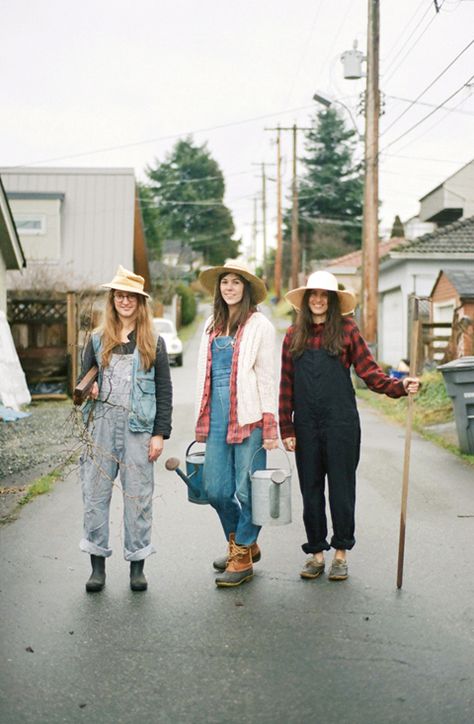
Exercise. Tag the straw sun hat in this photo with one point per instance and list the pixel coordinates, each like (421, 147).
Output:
(209, 277)
(323, 280)
(126, 281)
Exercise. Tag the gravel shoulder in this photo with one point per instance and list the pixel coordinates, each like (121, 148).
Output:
(34, 446)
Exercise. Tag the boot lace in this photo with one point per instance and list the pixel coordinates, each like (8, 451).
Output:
(236, 551)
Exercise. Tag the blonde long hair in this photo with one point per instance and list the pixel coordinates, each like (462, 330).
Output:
(111, 329)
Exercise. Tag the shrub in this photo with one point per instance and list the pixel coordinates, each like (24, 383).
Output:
(188, 304)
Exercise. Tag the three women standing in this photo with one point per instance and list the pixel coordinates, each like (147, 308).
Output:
(318, 414)
(128, 416)
(236, 409)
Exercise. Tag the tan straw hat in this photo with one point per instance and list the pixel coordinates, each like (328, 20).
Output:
(126, 281)
(323, 280)
(209, 277)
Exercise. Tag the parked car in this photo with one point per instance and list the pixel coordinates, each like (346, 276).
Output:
(166, 329)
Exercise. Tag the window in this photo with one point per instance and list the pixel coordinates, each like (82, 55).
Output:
(31, 224)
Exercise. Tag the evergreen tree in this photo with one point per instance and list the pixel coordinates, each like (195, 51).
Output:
(331, 189)
(397, 229)
(151, 223)
(188, 190)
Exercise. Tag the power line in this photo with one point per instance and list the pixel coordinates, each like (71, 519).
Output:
(430, 105)
(400, 35)
(440, 75)
(401, 61)
(428, 115)
(164, 138)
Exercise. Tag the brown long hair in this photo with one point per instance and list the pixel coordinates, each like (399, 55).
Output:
(332, 339)
(111, 329)
(220, 318)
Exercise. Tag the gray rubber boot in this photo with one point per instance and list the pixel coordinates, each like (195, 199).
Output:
(96, 580)
(138, 581)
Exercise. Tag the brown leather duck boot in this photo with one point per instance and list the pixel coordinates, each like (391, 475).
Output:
(239, 566)
(96, 580)
(220, 564)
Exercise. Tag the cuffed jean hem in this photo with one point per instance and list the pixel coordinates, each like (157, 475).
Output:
(88, 547)
(318, 548)
(139, 555)
(342, 544)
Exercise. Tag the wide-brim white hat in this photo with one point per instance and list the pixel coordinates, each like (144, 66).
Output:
(209, 277)
(126, 281)
(323, 280)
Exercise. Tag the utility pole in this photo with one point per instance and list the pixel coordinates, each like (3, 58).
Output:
(254, 229)
(295, 250)
(295, 241)
(370, 235)
(264, 220)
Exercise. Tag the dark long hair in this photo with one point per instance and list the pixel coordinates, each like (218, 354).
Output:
(221, 310)
(332, 339)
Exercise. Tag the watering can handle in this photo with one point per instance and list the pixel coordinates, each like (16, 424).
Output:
(190, 446)
(278, 448)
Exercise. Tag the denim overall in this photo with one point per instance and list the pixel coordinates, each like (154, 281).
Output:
(114, 447)
(327, 432)
(227, 466)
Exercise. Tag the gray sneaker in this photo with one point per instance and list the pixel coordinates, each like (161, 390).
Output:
(339, 570)
(312, 569)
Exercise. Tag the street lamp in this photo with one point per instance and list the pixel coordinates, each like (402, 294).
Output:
(327, 103)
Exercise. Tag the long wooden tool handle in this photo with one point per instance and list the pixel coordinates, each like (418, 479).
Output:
(415, 335)
(83, 387)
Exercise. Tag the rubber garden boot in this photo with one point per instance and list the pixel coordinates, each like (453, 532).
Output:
(138, 581)
(96, 581)
(220, 564)
(239, 567)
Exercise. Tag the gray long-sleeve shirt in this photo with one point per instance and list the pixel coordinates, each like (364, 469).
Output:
(163, 387)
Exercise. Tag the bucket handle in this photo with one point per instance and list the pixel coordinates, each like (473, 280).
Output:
(277, 479)
(190, 446)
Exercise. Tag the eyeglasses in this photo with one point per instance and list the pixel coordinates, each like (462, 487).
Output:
(121, 297)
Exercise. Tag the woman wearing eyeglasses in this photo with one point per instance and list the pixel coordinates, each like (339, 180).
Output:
(128, 416)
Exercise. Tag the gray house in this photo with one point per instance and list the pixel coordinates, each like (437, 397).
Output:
(76, 225)
(413, 269)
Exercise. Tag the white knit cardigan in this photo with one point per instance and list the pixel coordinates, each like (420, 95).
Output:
(256, 381)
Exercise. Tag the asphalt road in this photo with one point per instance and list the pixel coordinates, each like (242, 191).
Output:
(278, 649)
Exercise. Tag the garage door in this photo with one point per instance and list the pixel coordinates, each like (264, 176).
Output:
(392, 328)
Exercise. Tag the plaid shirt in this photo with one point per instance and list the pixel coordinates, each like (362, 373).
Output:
(235, 432)
(355, 352)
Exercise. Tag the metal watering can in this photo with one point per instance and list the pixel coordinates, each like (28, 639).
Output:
(271, 494)
(194, 476)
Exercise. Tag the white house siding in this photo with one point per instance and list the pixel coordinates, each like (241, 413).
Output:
(97, 218)
(411, 276)
(392, 326)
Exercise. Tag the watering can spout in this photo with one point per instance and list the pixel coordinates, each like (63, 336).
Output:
(193, 477)
(173, 464)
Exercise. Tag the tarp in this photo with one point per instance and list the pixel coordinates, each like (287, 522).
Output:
(13, 388)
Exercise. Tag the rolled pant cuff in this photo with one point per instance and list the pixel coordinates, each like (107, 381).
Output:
(139, 555)
(318, 548)
(342, 544)
(88, 547)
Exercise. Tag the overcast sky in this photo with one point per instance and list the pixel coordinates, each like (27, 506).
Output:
(115, 83)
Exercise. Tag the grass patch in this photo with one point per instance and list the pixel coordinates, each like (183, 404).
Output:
(41, 486)
(432, 407)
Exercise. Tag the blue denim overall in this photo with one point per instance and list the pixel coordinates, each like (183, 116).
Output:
(114, 447)
(327, 432)
(227, 466)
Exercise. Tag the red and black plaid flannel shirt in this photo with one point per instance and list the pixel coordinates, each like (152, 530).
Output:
(235, 433)
(355, 352)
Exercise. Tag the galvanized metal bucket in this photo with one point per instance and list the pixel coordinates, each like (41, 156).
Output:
(271, 494)
(195, 475)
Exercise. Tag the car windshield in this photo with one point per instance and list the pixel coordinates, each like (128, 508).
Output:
(163, 325)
